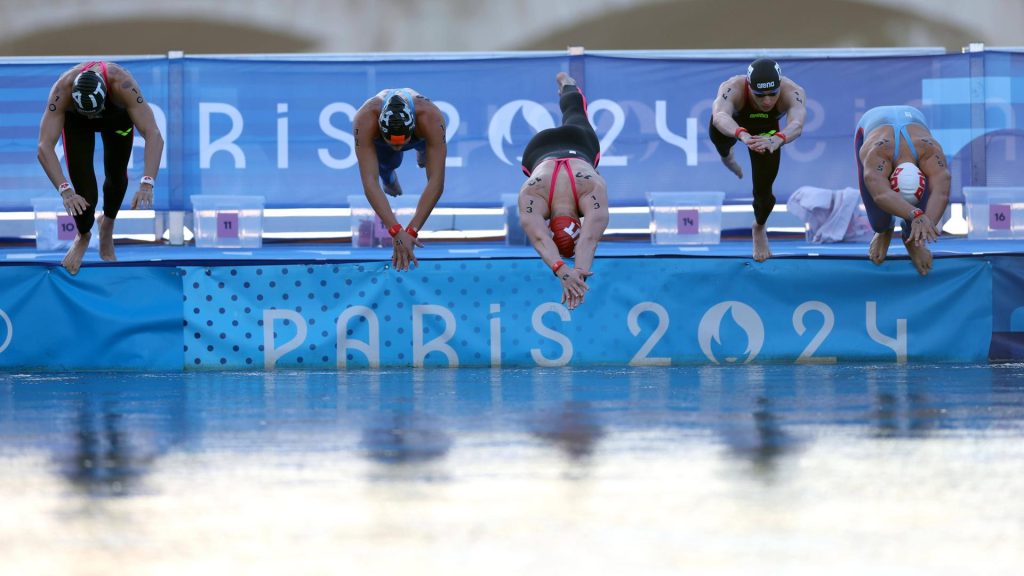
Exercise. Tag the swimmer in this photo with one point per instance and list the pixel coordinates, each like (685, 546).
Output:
(748, 108)
(563, 205)
(388, 124)
(897, 136)
(90, 98)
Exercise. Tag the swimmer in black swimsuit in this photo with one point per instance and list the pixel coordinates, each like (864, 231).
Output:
(748, 108)
(97, 97)
(562, 187)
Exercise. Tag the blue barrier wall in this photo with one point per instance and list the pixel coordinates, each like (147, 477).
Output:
(501, 313)
(114, 317)
(280, 127)
(1008, 308)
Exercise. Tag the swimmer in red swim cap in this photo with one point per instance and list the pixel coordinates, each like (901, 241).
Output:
(563, 205)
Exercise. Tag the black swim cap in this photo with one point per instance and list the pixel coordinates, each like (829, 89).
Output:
(397, 120)
(764, 75)
(89, 92)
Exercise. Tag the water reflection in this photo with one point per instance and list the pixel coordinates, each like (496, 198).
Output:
(106, 431)
(735, 469)
(772, 440)
(748, 409)
(567, 415)
(912, 402)
(572, 428)
(399, 426)
(105, 459)
(905, 415)
(403, 438)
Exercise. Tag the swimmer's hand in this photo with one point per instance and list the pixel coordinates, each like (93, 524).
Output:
(574, 286)
(403, 256)
(73, 203)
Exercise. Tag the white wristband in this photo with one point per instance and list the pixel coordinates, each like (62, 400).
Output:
(64, 188)
(146, 180)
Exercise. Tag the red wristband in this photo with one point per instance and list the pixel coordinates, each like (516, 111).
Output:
(741, 130)
(394, 230)
(556, 267)
(781, 135)
(916, 213)
(412, 231)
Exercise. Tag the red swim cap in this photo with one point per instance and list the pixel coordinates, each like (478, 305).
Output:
(567, 230)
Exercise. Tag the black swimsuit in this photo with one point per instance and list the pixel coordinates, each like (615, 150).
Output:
(575, 138)
(79, 135)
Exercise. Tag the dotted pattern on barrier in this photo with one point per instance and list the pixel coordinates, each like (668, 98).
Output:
(638, 310)
(224, 312)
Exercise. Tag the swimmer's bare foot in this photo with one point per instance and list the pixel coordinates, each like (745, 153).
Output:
(106, 226)
(761, 250)
(733, 166)
(921, 256)
(421, 158)
(564, 80)
(391, 186)
(879, 247)
(73, 259)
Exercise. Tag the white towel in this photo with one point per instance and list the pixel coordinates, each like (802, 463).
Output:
(831, 215)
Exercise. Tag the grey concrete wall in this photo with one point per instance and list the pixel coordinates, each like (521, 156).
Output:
(89, 27)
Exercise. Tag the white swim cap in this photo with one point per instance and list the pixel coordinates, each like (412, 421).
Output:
(908, 181)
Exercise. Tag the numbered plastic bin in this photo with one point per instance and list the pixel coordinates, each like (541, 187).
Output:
(228, 221)
(368, 231)
(994, 213)
(686, 217)
(55, 230)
